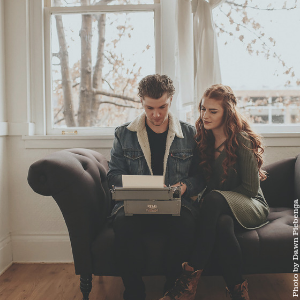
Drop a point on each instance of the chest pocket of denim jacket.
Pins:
(135, 161)
(181, 161)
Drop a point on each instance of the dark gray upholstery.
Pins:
(76, 179)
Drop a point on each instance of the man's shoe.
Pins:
(185, 286)
(239, 292)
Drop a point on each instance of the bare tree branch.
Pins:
(58, 112)
(126, 85)
(108, 84)
(102, 102)
(117, 104)
(255, 7)
(74, 85)
(58, 121)
(108, 59)
(259, 37)
(116, 96)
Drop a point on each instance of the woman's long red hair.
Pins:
(234, 123)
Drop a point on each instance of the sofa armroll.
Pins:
(76, 179)
(279, 187)
(297, 178)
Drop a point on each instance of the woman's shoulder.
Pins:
(244, 139)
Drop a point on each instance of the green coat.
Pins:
(242, 187)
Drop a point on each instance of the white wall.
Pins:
(38, 231)
(37, 228)
(5, 241)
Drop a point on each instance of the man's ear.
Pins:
(142, 101)
(171, 100)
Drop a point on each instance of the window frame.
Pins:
(37, 91)
(48, 11)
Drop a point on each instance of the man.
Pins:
(155, 143)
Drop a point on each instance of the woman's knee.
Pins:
(214, 200)
(225, 224)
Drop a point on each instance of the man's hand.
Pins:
(183, 187)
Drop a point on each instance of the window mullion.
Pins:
(104, 8)
(48, 69)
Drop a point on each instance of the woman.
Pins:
(231, 159)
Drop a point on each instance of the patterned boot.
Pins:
(185, 286)
(239, 292)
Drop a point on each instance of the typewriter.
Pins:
(146, 198)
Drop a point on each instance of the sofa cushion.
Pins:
(268, 249)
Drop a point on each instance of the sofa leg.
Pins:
(85, 285)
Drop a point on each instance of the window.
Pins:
(259, 57)
(96, 53)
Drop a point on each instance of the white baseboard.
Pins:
(41, 248)
(5, 254)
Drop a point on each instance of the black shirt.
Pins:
(157, 143)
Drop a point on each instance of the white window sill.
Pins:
(283, 139)
(64, 141)
(105, 141)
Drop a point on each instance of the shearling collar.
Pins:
(138, 124)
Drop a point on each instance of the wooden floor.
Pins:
(59, 282)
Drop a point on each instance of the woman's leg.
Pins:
(214, 214)
(229, 251)
(213, 206)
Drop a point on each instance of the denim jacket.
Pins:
(130, 155)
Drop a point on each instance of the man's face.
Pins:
(157, 110)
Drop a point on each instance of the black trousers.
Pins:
(129, 248)
(216, 228)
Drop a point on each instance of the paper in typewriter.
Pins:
(142, 181)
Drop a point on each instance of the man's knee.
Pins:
(123, 225)
(185, 220)
(183, 227)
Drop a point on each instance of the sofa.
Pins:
(76, 179)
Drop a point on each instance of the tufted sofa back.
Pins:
(282, 186)
(58, 170)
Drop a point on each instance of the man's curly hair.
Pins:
(154, 86)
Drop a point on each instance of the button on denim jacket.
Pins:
(130, 155)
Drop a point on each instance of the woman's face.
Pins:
(212, 114)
